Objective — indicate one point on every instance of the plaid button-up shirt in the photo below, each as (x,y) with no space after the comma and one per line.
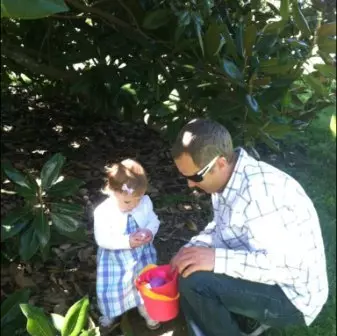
(265,229)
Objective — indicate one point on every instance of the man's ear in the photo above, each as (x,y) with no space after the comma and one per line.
(222,162)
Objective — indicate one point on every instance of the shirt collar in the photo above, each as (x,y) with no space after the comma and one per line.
(235,180)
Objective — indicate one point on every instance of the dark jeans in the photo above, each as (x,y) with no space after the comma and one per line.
(208,299)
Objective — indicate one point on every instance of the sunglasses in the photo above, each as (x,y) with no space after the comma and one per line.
(199,176)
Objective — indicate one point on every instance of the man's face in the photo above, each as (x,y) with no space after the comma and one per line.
(212,181)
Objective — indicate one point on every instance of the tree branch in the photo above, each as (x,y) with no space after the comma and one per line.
(30,64)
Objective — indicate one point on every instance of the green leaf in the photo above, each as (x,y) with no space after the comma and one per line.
(37,322)
(274,27)
(239,40)
(16,176)
(249,39)
(91,332)
(42,228)
(197,24)
(51,170)
(64,222)
(15,222)
(45,251)
(212,40)
(277,131)
(271,143)
(29,244)
(300,20)
(67,208)
(10,308)
(156,19)
(327,29)
(252,103)
(284,10)
(57,321)
(327,45)
(28,9)
(326,70)
(273,67)
(232,71)
(67,187)
(265,43)
(160,110)
(315,84)
(76,318)
(76,236)
(271,95)
(230,45)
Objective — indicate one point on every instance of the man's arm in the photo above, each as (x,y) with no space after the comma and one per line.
(277,252)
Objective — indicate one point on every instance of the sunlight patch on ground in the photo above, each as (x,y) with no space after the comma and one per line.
(333,125)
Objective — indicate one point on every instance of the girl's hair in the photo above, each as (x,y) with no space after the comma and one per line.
(127,177)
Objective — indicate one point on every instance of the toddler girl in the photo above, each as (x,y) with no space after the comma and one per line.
(124,227)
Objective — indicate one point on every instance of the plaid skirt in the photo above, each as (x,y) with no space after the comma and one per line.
(116,273)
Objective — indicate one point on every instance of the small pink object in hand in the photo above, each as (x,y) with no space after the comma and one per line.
(157,282)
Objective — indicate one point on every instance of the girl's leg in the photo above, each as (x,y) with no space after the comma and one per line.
(151,324)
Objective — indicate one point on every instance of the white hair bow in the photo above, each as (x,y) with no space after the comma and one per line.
(127,189)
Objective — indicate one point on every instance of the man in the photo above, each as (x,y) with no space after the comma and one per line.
(262,256)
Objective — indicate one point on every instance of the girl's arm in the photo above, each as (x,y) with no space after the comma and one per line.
(152,219)
(104,237)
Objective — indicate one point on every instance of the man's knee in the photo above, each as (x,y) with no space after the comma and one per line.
(195,282)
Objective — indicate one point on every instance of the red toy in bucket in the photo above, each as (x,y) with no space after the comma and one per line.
(158,286)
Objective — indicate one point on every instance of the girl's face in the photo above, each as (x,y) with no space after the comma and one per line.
(126,202)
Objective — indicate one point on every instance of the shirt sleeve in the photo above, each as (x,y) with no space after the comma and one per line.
(106,239)
(152,219)
(275,255)
(205,237)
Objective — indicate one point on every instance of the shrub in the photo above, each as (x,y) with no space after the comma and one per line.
(45,212)
(248,64)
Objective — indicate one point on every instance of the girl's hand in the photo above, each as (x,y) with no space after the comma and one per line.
(135,240)
(145,235)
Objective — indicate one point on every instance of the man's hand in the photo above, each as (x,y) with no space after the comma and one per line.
(192,259)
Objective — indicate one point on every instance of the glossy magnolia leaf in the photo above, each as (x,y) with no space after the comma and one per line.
(29,244)
(184,18)
(76,318)
(328,29)
(239,40)
(269,67)
(65,188)
(91,332)
(42,228)
(326,70)
(230,45)
(31,9)
(300,20)
(15,222)
(232,71)
(277,131)
(252,104)
(284,10)
(67,208)
(37,322)
(45,251)
(315,84)
(64,222)
(198,29)
(51,170)
(265,43)
(212,40)
(57,321)
(271,143)
(274,27)
(327,45)
(10,308)
(296,43)
(157,19)
(76,236)
(16,176)
(249,39)
(271,95)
